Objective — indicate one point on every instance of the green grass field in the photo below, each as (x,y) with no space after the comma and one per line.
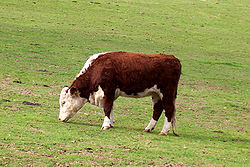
(44,45)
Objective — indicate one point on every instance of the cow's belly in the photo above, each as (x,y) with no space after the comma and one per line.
(147,92)
(97,97)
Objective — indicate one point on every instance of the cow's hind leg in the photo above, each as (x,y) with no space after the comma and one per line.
(108,107)
(168,103)
(158,108)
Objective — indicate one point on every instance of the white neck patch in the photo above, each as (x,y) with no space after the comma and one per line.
(89,61)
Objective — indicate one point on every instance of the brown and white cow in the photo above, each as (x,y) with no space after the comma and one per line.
(106,76)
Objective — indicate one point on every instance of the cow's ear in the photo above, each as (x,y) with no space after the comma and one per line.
(73,91)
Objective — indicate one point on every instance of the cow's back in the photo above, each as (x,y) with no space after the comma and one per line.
(134,72)
(127,62)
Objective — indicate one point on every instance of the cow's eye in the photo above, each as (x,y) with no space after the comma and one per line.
(63,102)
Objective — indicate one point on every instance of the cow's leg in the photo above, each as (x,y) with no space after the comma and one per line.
(112,118)
(157,105)
(108,101)
(168,102)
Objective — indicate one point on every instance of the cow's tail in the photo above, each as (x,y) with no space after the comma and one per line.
(173,122)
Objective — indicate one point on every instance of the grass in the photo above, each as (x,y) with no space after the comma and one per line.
(44,44)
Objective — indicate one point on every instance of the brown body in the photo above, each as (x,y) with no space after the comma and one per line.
(132,74)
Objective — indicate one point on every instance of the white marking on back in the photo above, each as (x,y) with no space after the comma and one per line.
(89,61)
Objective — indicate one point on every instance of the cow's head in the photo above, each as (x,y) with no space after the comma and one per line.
(70,103)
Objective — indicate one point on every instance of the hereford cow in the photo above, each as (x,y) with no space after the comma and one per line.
(106,76)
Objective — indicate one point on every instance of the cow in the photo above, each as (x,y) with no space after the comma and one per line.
(106,76)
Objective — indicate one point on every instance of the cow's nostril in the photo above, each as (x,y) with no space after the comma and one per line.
(59,119)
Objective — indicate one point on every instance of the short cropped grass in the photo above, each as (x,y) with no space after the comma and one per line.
(44,44)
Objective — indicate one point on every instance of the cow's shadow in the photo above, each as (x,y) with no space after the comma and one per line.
(85,124)
(119,128)
(186,135)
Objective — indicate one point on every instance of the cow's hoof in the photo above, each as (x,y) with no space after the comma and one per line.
(105,127)
(163,133)
(148,130)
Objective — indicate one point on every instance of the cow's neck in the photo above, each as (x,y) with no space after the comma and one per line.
(83,85)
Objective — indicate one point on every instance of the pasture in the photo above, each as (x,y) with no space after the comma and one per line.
(44,45)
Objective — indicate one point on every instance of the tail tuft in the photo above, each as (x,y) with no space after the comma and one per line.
(173,123)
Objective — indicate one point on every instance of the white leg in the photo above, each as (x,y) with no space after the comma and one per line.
(112,118)
(150,126)
(166,127)
(106,123)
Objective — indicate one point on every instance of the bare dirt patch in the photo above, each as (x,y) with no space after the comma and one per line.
(14,108)
(10,84)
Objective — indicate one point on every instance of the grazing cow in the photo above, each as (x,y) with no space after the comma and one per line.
(106,76)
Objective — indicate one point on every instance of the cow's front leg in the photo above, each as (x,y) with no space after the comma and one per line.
(108,105)
(106,123)
(112,118)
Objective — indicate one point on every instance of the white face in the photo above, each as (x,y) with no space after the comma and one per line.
(70,103)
